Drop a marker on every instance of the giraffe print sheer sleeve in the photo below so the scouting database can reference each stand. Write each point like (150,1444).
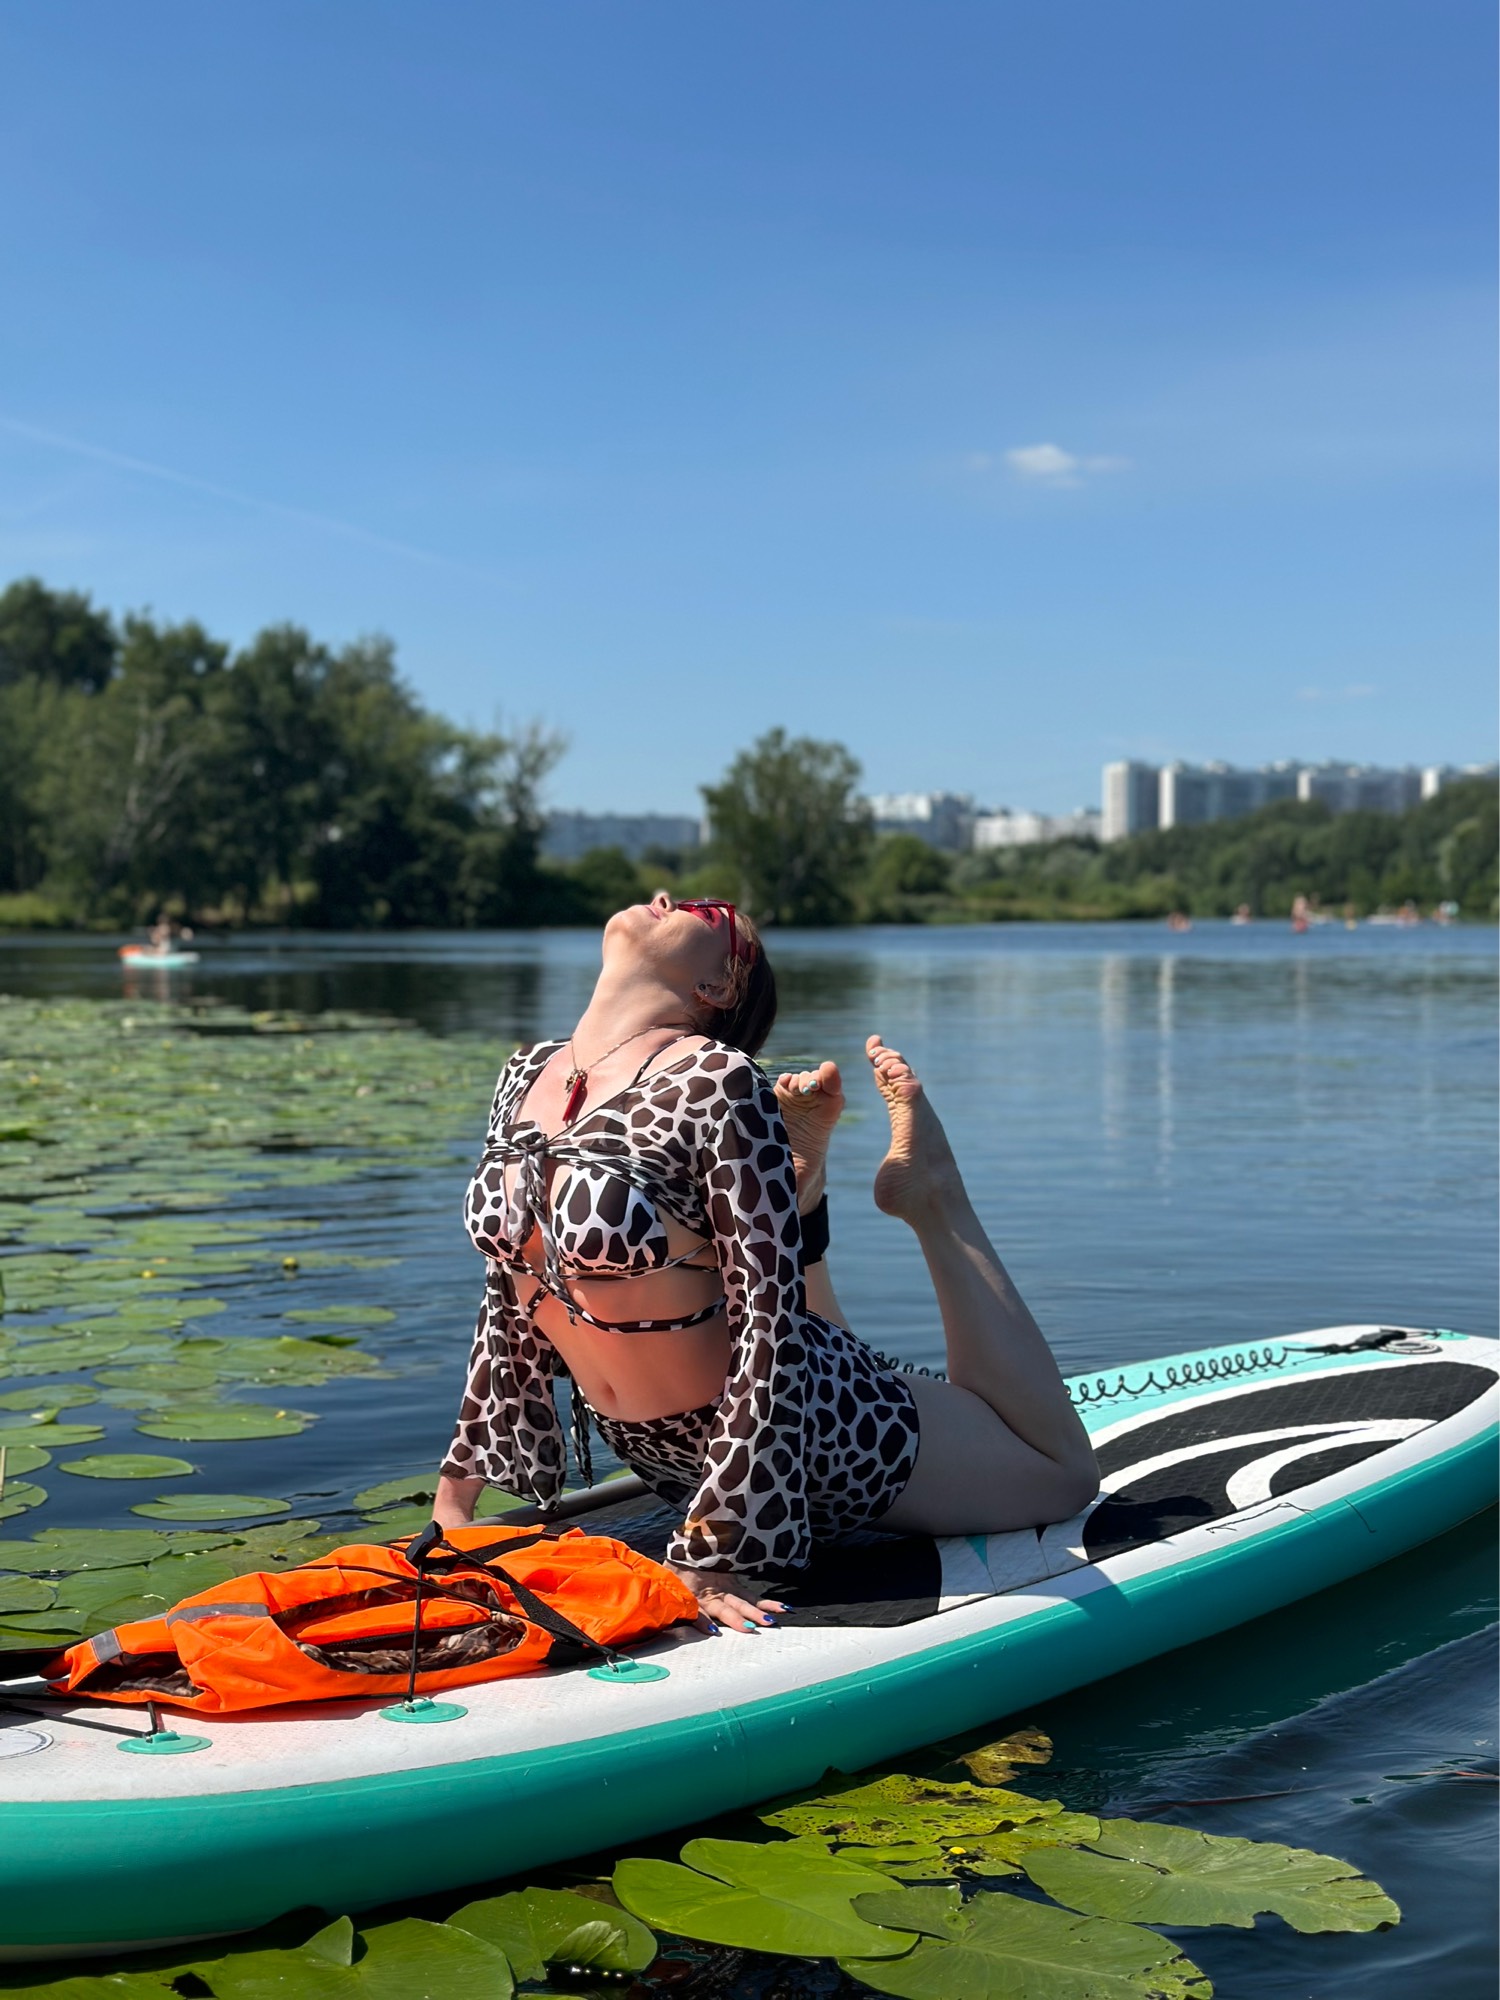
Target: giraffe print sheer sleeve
(750,1511)
(509,1432)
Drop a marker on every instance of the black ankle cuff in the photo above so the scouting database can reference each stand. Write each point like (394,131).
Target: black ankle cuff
(815,1234)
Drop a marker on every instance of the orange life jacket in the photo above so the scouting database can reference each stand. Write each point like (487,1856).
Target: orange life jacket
(493,1602)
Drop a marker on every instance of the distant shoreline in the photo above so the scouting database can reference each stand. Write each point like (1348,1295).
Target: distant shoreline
(211,933)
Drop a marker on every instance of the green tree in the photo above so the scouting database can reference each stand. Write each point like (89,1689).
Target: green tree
(398,796)
(602,881)
(788,818)
(55,635)
(54,647)
(126,784)
(501,880)
(903,865)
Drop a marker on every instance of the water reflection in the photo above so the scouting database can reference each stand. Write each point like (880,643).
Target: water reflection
(1211,1136)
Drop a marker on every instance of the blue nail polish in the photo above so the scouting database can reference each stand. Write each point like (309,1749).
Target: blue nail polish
(751,1626)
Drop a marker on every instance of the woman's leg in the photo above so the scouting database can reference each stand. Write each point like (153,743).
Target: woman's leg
(1002,1445)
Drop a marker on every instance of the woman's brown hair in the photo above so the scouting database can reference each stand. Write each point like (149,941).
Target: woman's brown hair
(750,1014)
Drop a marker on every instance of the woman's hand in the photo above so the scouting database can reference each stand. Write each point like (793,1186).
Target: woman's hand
(722,1601)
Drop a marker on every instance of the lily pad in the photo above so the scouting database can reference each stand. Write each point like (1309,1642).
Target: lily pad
(759,1898)
(399,1961)
(901,1809)
(1175,1875)
(920,1860)
(103,1986)
(536,1928)
(20,1498)
(128,1465)
(169,1377)
(103,1548)
(67,1354)
(998,1947)
(44,1404)
(271,1536)
(150,1314)
(232,1420)
(31,1635)
(146,1590)
(88,1591)
(68,1549)
(25,1593)
(995,1763)
(208,1507)
(416,1487)
(23,1459)
(290,1360)
(56,1437)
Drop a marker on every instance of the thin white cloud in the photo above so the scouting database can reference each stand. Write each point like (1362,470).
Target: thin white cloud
(1356,691)
(1050,465)
(349,530)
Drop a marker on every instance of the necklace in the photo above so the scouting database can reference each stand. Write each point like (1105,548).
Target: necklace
(577,1082)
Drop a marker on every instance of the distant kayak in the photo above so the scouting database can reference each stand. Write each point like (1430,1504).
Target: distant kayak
(143,954)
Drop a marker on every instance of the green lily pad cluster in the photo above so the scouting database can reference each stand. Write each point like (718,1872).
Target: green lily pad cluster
(842,1887)
(68,1583)
(482,1952)
(922,1829)
(129,1137)
(826,1892)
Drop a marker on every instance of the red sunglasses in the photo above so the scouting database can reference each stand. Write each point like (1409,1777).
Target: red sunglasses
(710,910)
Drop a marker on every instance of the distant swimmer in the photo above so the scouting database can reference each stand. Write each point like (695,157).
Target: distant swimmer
(1243,915)
(1179,920)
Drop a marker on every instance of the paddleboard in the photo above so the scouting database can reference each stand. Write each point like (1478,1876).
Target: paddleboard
(142,955)
(1235,1480)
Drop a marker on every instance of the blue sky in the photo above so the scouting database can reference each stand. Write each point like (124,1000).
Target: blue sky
(998,388)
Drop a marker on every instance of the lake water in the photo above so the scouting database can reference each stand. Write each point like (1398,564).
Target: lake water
(1231,1134)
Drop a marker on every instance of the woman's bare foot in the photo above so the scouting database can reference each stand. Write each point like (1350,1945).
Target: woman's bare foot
(919,1175)
(812,1101)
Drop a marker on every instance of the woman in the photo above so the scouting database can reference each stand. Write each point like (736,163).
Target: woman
(647,1201)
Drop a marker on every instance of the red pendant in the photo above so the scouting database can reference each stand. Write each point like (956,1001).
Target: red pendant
(578,1083)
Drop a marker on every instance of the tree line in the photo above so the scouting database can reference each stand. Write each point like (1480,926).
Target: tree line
(148,766)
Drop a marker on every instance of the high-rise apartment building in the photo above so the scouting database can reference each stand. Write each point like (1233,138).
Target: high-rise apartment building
(1194,794)
(1138,796)
(1360,787)
(942,819)
(1131,798)
(1025,829)
(568,836)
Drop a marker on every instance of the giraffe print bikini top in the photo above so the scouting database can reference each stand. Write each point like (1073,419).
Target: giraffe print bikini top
(603,1219)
